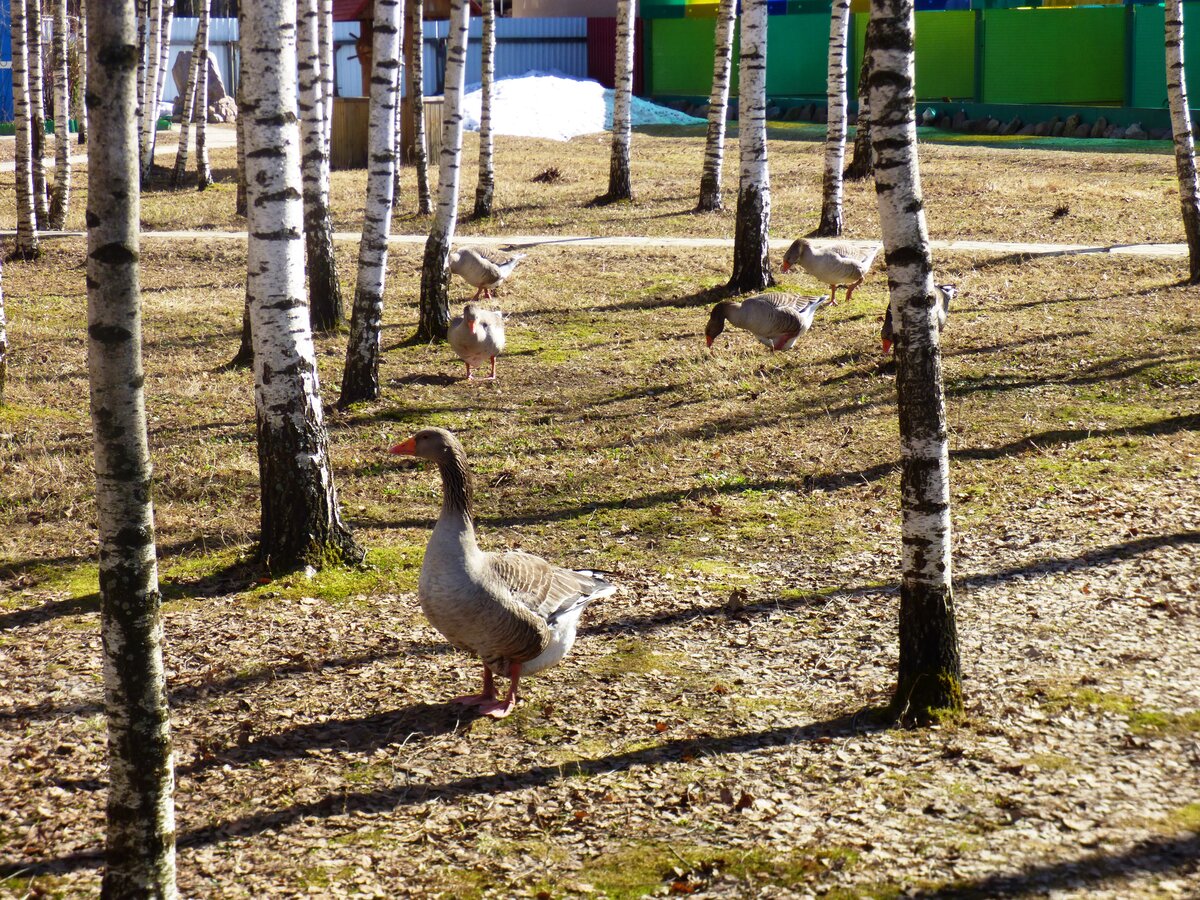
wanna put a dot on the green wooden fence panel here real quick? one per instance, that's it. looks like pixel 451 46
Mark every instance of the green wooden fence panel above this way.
pixel 681 56
pixel 945 52
pixel 1056 55
pixel 1149 64
pixel 797 54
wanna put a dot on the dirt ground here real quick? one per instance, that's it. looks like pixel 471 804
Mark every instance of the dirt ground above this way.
pixel 710 733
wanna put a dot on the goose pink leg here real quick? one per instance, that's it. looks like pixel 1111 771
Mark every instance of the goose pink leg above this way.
pixel 850 289
pixel 492 376
pixel 499 709
pixel 483 699
pixel 833 295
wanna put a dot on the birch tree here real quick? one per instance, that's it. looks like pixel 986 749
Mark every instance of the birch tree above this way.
pixel 485 190
pixel 416 95
pixel 164 58
pixel 27 245
pixel 81 118
pixel 835 129
pixel 203 169
pixel 37 69
pixel 192 98
pixel 435 272
pixel 1181 128
pixel 324 289
pixel 240 133
pixel 140 844
pixel 61 197
pixel 360 379
pixel 325 36
pixel 149 86
pixel 751 250
pixel 718 109
pixel 619 185
pixel 301 521
pixel 143 23
pixel 930 678
pixel 860 159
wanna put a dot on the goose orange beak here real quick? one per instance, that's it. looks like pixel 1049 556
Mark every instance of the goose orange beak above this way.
pixel 785 266
pixel 707 341
pixel 887 346
pixel 408 448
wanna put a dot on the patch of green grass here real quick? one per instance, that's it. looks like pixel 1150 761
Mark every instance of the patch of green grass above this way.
pixel 385 570
pixel 634 657
pixel 1186 818
pixel 1053 762
pixel 366 773
pixel 1141 720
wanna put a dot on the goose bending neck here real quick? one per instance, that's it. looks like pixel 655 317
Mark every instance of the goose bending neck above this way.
pixel 456 490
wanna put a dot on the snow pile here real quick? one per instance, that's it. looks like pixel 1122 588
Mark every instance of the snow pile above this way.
pixel 560 108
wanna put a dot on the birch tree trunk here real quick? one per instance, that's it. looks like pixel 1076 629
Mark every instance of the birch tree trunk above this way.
pixel 38 107
pixel 718 109
pixel 325 35
pixel 360 379
pixel 835 131
pixel 301 521
pixel 1181 128
pixel 860 160
pixel 140 846
pixel 416 93
pixel 143 11
pixel 191 98
pixel 81 118
pixel 486 189
pixel 324 290
pixel 61 198
pixel 245 352
pixel 164 59
pixel 203 170
pixel 149 102
pixel 619 186
pixel 751 250
pixel 435 272
pixel 27 246
pixel 240 126
pixel 930 678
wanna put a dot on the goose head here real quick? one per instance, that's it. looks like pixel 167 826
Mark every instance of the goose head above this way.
pixel 434 444
pixel 470 317
pixel 800 248
pixel 716 322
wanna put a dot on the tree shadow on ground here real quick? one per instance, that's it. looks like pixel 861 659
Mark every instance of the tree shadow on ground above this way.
pixel 702 297
pixel 1156 855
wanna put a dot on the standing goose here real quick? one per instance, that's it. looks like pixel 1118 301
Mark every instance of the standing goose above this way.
pixel 777 320
pixel 836 265
pixel 943 293
pixel 477 336
pixel 515 611
pixel 483 269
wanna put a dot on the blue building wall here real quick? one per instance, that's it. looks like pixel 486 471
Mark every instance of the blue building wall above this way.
pixel 6 90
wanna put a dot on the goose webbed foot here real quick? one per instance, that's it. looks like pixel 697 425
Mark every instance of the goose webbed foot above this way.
pixel 488 696
pixel 499 709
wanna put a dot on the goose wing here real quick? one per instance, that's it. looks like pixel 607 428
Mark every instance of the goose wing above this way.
pixel 547 590
pixel 475 268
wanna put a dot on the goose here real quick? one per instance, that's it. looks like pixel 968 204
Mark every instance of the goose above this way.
pixel 477 336
pixel 483 269
pixel 515 611
pixel 944 293
pixel 834 264
pixel 777 320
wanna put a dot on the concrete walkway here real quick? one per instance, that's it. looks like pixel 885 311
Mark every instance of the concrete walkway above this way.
pixel 524 241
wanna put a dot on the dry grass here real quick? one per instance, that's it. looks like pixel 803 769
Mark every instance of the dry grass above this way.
pixel 315 755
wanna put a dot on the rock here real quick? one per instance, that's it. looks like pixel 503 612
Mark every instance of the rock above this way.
pixel 960 121
pixel 1072 124
pixel 1160 134
pixel 945 123
pixel 927 118
pixel 1041 128
pixel 179 74
pixel 810 111
pixel 1013 126
pixel 1135 132
pixel 1111 131
pixel 992 126
pixel 1058 129
pixel 1028 129
pixel 794 114
pixel 701 111
pixel 1083 131
pixel 772 113
pixel 224 110
pixel 1099 127
pixel 821 115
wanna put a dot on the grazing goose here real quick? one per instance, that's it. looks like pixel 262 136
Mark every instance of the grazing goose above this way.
pixel 945 294
pixel 477 336
pixel 515 611
pixel 777 320
pixel 834 264
pixel 483 269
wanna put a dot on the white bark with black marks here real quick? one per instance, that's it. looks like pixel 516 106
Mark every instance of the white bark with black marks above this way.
pixel 27 244
pixel 860 159
pixel 485 190
pixel 711 198
pixel 140 842
pixel 835 130
pixel 37 100
pixel 435 271
pixel 164 58
pixel 620 186
pixel 192 99
pixel 360 379
pixel 325 36
pixel 61 198
pixel 324 289
pixel 416 94
pixel 1181 128
pixel 751 247
pixel 3 343
pixel 240 126
pixel 81 118
pixel 203 167
pixel 143 11
pixel 301 521
pixel 149 88
pixel 929 670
